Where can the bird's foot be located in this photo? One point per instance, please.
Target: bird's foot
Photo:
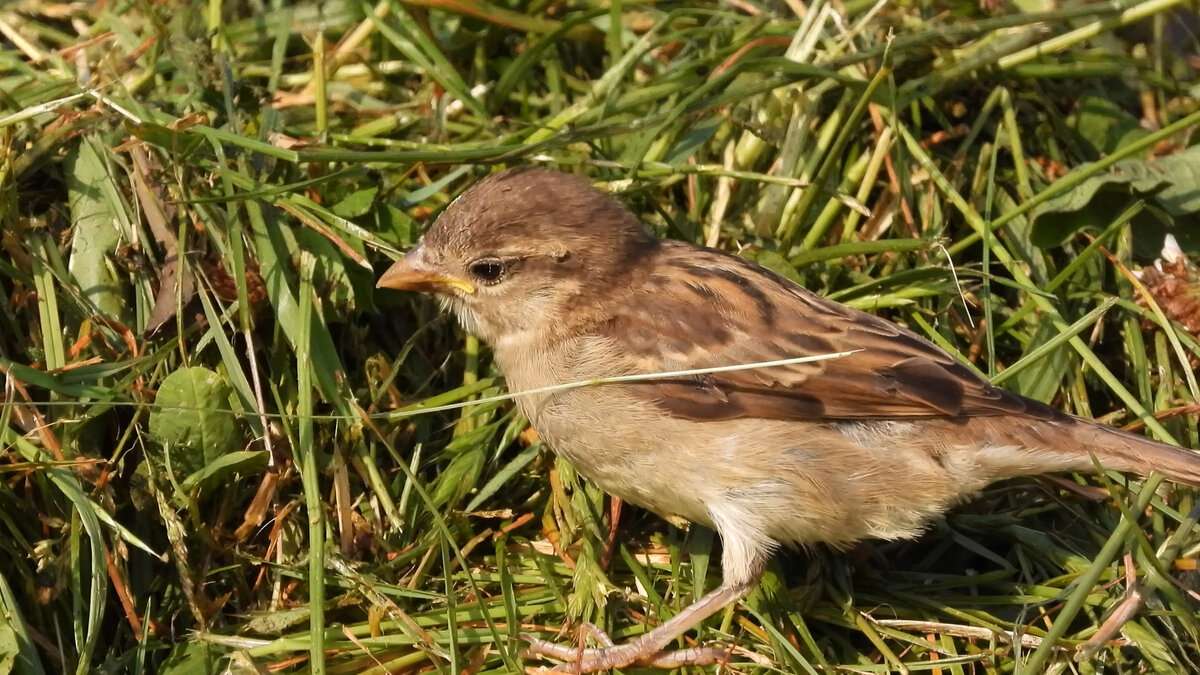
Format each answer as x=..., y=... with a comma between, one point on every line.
x=608, y=656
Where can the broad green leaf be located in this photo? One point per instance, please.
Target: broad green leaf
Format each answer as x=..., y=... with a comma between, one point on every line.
x=1041, y=381
x=8, y=648
x=191, y=658
x=777, y=264
x=1168, y=183
x=1105, y=126
x=100, y=226
x=192, y=418
x=332, y=275
x=396, y=224
x=356, y=203
x=17, y=651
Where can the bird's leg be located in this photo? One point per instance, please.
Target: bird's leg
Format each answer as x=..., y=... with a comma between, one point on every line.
x=647, y=648
x=743, y=561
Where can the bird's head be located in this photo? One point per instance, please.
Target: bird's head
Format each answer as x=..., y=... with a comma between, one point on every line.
x=519, y=249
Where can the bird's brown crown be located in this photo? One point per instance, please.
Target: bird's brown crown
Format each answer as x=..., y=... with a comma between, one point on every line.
x=536, y=209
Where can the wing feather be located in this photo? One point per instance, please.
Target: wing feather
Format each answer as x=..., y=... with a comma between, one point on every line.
x=701, y=308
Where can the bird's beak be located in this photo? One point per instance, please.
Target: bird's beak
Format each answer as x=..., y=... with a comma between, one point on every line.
x=414, y=273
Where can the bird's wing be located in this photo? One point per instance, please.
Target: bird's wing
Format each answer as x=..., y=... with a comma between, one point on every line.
x=701, y=308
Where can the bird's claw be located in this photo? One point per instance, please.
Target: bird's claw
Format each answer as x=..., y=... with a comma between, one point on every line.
x=609, y=656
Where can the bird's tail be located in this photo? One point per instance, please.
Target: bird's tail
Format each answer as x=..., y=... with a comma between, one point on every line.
x=1123, y=451
x=1064, y=443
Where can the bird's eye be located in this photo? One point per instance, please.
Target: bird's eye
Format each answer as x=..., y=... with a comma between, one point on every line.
x=488, y=270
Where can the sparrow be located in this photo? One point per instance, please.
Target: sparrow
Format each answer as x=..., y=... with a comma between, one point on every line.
x=566, y=286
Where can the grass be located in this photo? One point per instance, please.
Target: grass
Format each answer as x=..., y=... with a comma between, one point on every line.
x=222, y=449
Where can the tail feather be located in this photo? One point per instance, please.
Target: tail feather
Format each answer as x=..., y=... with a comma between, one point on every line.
x=1123, y=451
x=1066, y=443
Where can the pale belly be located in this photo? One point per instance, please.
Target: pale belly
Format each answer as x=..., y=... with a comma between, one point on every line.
x=788, y=481
x=770, y=480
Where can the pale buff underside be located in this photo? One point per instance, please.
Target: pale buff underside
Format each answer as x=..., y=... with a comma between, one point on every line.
x=757, y=482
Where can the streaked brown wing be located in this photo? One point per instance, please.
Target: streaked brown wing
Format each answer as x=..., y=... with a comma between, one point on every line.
x=701, y=308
